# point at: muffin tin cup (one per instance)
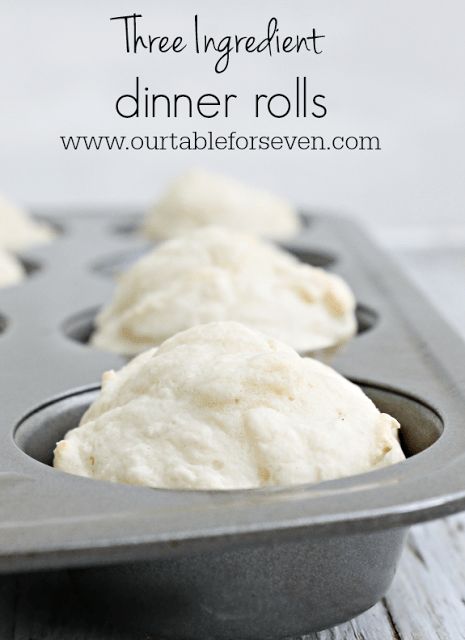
(262, 563)
(271, 590)
(81, 327)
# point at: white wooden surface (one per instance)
(425, 602)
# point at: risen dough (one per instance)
(216, 274)
(18, 231)
(222, 407)
(200, 198)
(11, 270)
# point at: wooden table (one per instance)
(425, 602)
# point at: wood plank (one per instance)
(428, 598)
(375, 624)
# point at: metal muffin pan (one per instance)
(254, 564)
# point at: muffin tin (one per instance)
(265, 563)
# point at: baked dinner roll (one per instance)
(215, 274)
(223, 407)
(18, 231)
(199, 198)
(11, 270)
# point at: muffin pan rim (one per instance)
(367, 386)
(112, 265)
(133, 225)
(83, 322)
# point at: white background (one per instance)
(393, 69)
